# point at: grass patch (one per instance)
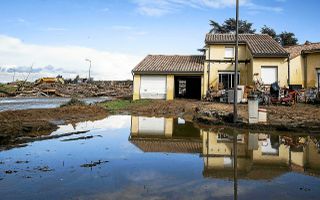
(7, 89)
(74, 102)
(123, 104)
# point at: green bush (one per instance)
(74, 102)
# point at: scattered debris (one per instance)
(22, 161)
(10, 171)
(43, 169)
(74, 102)
(53, 87)
(93, 164)
(78, 138)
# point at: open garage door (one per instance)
(187, 87)
(153, 87)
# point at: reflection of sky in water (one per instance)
(33, 103)
(129, 174)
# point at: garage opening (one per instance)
(187, 87)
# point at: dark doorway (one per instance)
(188, 87)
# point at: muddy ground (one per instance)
(297, 118)
(41, 122)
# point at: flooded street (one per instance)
(131, 157)
(32, 103)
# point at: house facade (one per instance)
(177, 76)
(305, 65)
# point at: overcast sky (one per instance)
(56, 36)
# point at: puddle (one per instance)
(33, 103)
(130, 157)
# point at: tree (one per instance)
(288, 39)
(229, 26)
(271, 32)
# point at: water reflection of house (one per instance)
(260, 156)
(152, 134)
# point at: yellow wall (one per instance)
(170, 87)
(281, 159)
(296, 71)
(134, 125)
(217, 52)
(168, 129)
(136, 87)
(313, 62)
(281, 63)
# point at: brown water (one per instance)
(129, 157)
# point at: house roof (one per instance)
(167, 145)
(171, 64)
(260, 45)
(297, 50)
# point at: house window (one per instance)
(227, 79)
(229, 52)
(269, 75)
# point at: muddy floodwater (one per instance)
(45, 102)
(131, 157)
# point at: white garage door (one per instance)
(151, 126)
(153, 87)
(269, 75)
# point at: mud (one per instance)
(22, 126)
(297, 118)
(18, 127)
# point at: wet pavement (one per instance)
(45, 102)
(131, 157)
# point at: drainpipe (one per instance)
(288, 70)
(209, 66)
(305, 61)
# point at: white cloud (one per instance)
(162, 7)
(65, 60)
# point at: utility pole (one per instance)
(235, 96)
(88, 60)
(14, 74)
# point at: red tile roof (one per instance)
(167, 145)
(297, 50)
(171, 64)
(260, 45)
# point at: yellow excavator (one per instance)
(49, 80)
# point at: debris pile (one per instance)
(119, 89)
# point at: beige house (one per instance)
(305, 64)
(260, 56)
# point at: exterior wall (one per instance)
(168, 129)
(170, 87)
(281, 159)
(134, 125)
(217, 52)
(297, 71)
(303, 70)
(136, 87)
(281, 63)
(313, 63)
